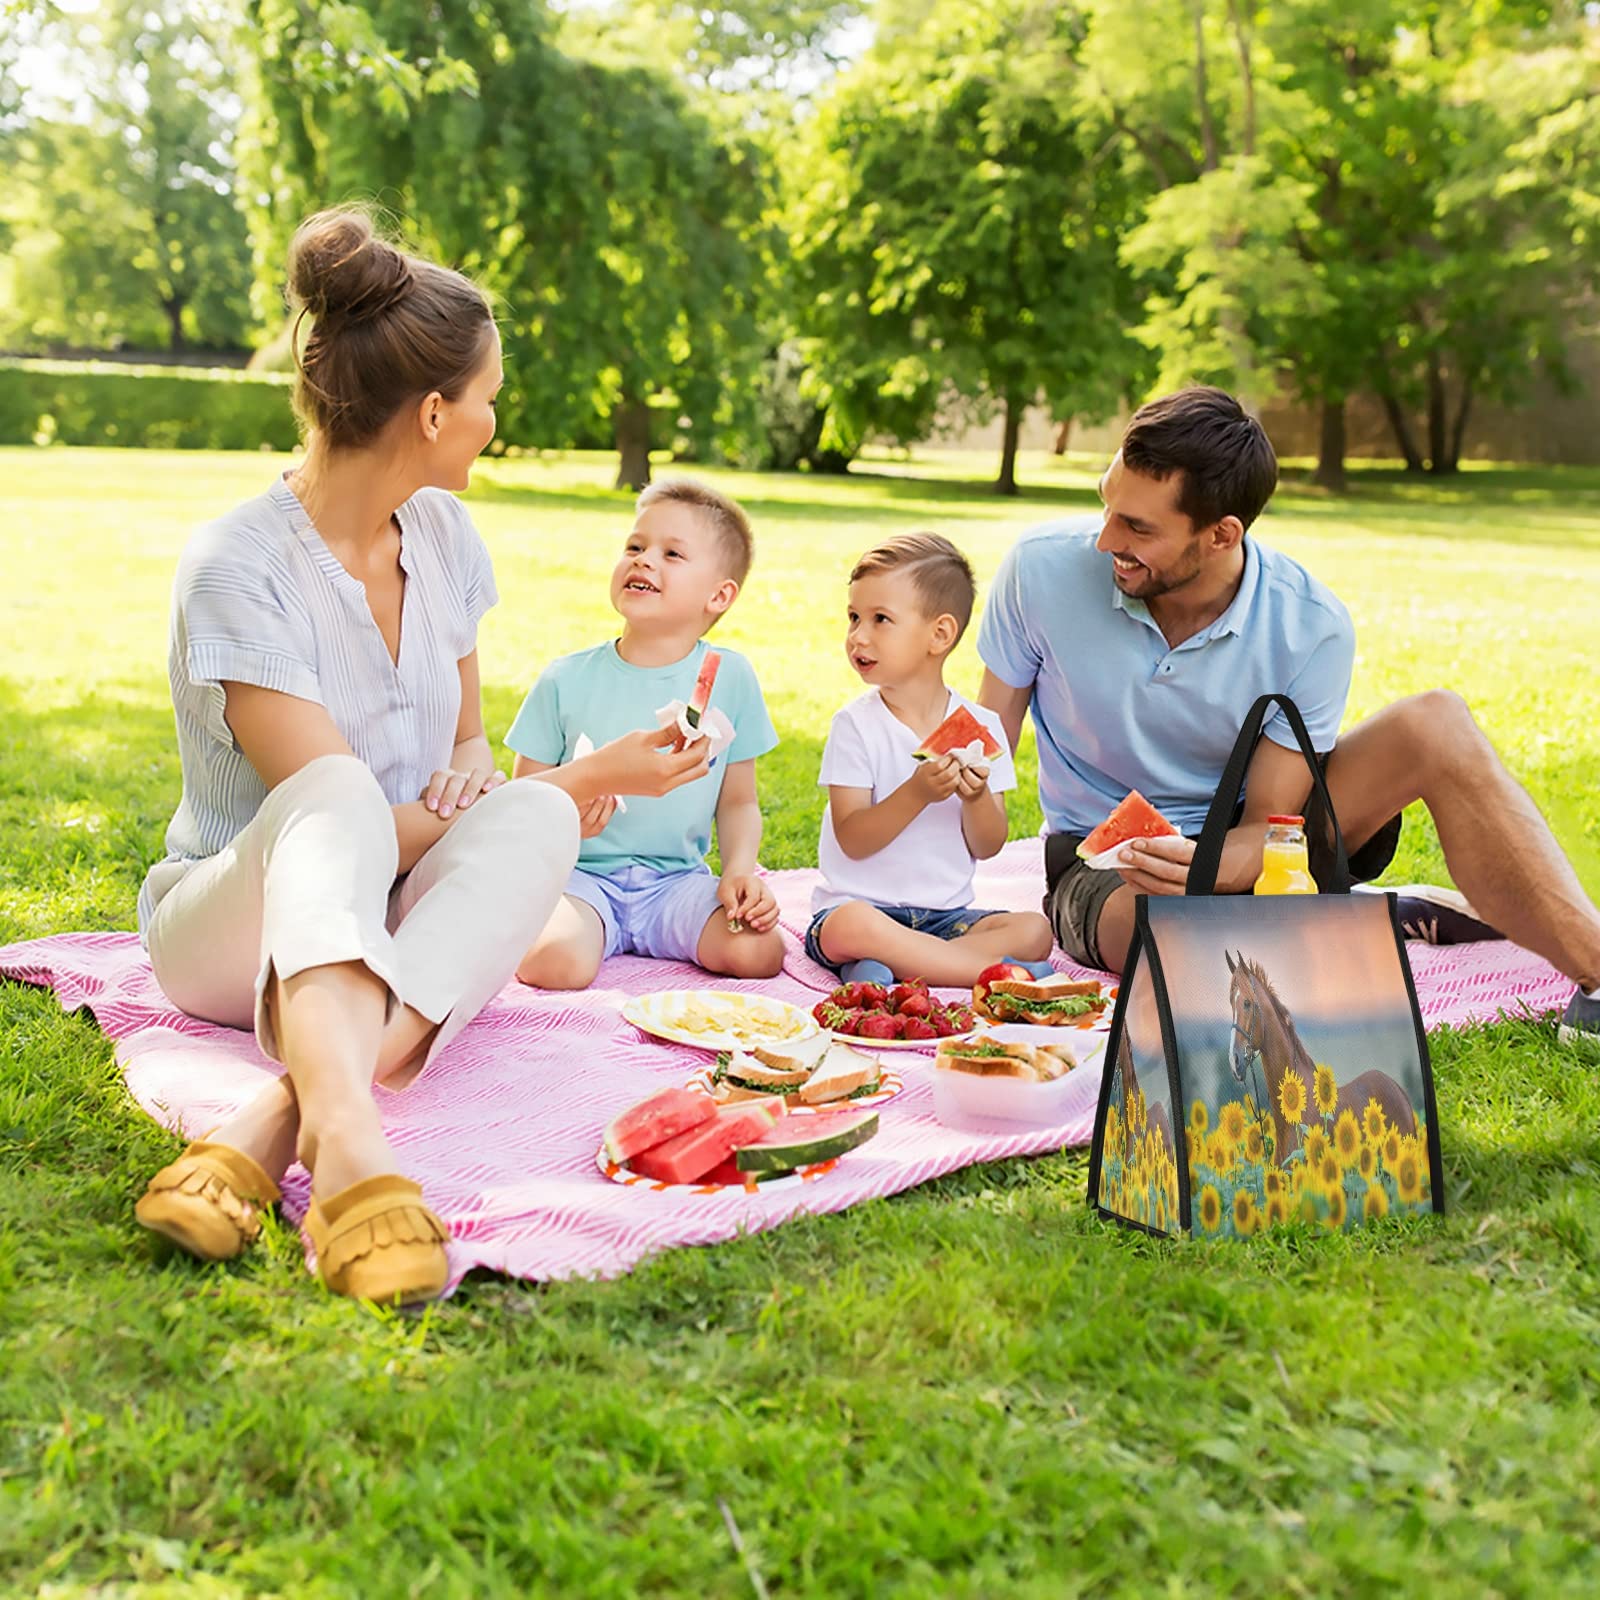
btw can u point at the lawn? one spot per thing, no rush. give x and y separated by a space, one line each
972 1389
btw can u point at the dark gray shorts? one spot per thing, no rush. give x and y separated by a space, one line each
1074 900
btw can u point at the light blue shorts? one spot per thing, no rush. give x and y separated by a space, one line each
650 913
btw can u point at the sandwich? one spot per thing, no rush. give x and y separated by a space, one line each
746 1076
843 1074
1046 1002
984 1057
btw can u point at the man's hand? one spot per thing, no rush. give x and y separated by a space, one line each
449 790
935 779
972 782
748 901
1156 866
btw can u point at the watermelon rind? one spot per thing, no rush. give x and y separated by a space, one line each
701 698
784 1153
653 1121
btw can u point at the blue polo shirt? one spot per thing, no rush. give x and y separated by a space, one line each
1115 708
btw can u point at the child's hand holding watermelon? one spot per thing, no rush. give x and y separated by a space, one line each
935 780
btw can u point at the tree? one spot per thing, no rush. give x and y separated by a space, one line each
129 229
955 233
1355 194
614 222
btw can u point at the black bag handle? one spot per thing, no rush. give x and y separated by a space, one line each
1208 852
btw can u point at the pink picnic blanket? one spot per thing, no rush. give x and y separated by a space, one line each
504 1128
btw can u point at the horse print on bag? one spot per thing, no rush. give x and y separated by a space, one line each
1290 1137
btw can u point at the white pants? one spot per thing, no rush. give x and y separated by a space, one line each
311 882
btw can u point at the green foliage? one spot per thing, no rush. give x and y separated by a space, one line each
612 218
973 1389
182 408
1384 195
126 226
954 233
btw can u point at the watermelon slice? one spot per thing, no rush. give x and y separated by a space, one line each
692 1155
1135 818
663 1116
802 1142
701 697
958 731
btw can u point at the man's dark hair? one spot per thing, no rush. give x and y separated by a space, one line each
1228 464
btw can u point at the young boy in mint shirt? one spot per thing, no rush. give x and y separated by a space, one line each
642 886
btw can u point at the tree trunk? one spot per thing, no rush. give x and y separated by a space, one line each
1006 483
1208 129
1400 427
1439 461
1458 430
1331 447
1247 81
174 311
631 427
1063 433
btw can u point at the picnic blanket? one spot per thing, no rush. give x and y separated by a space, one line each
503 1130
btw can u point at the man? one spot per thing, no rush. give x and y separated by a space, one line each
1140 645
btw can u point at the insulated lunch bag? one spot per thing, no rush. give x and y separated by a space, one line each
1267 1060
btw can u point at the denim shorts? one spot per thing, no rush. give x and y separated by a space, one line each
936 924
650 913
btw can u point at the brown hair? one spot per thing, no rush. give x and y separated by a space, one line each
387 327
1228 464
726 516
940 574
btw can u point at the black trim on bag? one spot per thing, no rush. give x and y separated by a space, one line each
1103 1101
1425 1057
1169 1048
1207 861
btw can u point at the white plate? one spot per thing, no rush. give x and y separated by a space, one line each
872 1046
718 1019
889 1085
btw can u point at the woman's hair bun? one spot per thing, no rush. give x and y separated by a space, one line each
340 268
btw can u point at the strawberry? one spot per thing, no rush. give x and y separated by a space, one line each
915 1004
918 1028
879 1025
961 1018
874 997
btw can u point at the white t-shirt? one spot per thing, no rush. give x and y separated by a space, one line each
929 864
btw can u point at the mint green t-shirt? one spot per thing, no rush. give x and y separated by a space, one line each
598 693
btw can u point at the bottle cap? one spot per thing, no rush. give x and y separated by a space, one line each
1292 822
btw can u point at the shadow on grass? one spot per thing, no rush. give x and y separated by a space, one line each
816 499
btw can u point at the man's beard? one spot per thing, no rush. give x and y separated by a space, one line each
1150 584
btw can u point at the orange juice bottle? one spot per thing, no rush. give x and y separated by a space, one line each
1285 866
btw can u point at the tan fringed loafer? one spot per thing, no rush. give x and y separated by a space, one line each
377 1241
208 1201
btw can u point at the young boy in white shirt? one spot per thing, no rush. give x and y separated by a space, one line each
900 837
642 886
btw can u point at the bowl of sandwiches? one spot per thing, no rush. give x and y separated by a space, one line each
988 1084
817 1074
1058 1001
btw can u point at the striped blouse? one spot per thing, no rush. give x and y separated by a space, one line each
260 599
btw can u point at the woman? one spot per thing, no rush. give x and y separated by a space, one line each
346 871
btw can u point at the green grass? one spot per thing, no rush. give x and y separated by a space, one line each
973 1389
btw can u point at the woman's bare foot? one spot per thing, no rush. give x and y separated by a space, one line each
266 1129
